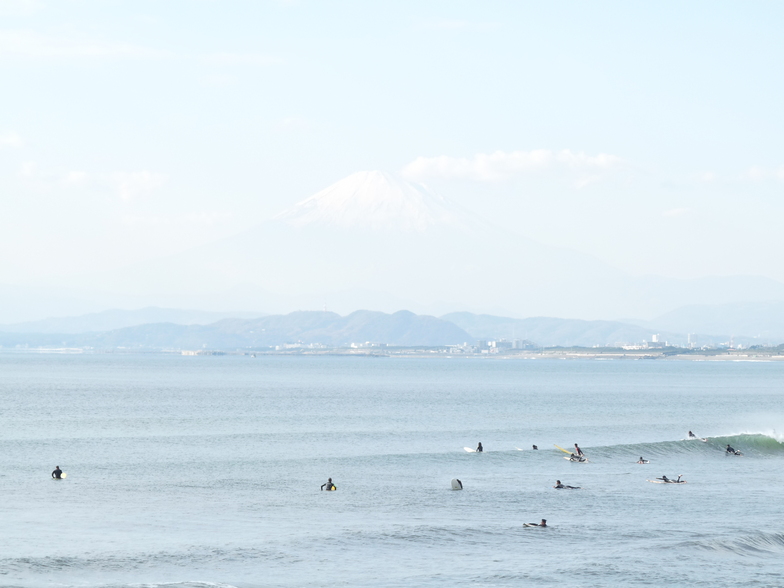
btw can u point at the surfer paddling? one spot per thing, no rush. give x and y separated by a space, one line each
559 486
542 524
641 460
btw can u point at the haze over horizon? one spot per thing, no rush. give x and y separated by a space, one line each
605 161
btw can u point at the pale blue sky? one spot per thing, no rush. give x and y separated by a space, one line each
133 129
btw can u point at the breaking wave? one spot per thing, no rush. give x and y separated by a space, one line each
751 444
760 544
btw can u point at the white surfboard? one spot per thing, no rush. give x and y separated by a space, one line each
663 482
585 460
457 484
469 450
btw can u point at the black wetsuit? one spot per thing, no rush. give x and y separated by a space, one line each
329 485
730 449
57 473
479 449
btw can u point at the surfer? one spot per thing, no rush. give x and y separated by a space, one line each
665 479
542 524
479 448
559 486
579 451
692 435
573 457
730 449
535 448
329 485
57 473
642 460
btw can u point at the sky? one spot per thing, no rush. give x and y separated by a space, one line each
645 134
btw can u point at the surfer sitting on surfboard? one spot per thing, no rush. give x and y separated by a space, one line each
57 473
573 457
329 485
479 448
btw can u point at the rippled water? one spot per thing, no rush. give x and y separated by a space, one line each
194 471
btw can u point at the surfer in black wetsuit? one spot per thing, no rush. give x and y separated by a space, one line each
692 435
479 448
730 449
559 486
642 460
329 485
542 524
57 473
665 479
579 451
535 448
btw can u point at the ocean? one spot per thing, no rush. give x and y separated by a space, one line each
206 471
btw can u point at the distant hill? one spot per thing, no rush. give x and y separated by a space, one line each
117 319
761 320
554 331
402 328
375 240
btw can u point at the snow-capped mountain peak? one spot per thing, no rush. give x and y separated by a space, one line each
373 200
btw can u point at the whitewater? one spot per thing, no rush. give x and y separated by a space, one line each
206 471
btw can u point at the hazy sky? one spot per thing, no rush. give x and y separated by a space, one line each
647 134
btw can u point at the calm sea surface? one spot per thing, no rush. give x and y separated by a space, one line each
202 471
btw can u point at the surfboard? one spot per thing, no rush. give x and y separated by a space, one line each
663 482
469 450
457 484
564 450
63 475
533 525
568 488
331 489
642 462
584 460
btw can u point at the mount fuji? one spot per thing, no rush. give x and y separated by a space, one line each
374 241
